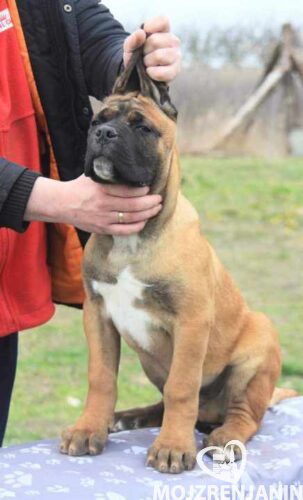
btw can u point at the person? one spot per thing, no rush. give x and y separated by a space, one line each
54 55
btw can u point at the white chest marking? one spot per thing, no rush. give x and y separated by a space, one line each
119 302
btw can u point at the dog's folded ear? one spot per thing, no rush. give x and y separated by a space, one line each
135 79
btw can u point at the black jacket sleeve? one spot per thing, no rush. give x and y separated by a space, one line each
16 184
101 45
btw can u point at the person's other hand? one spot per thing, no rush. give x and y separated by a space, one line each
162 54
91 206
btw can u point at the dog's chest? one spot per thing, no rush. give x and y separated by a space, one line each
121 305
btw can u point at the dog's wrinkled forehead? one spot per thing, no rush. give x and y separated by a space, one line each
133 108
122 105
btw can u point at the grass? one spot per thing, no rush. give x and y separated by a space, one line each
252 212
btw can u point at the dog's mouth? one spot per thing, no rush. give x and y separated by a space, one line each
104 171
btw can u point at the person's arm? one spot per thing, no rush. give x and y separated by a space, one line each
101 45
91 206
16 184
26 196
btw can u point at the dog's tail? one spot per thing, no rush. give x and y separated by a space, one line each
282 393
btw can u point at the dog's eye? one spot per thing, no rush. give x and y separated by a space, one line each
144 128
94 123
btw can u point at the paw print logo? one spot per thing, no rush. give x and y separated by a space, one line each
6 494
276 464
18 479
80 460
8 456
124 468
286 446
53 461
58 488
150 481
36 450
114 480
31 465
4 465
264 438
87 482
254 452
106 473
290 430
110 495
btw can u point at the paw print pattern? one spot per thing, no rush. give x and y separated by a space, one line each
290 430
7 494
286 446
4 465
31 465
36 450
80 460
264 438
58 488
87 482
254 452
39 470
18 479
277 463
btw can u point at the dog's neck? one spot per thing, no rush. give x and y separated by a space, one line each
169 192
130 245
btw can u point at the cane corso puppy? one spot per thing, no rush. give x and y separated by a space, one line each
166 293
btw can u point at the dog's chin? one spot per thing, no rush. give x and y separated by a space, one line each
103 171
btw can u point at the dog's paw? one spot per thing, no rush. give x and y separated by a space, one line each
173 458
220 438
77 441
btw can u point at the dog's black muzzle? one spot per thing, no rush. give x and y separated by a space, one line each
114 156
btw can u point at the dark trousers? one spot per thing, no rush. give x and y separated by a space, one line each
8 363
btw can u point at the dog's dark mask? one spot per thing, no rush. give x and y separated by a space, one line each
122 141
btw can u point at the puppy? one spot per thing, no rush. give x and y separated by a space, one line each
165 292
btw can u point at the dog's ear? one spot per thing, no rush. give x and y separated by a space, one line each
135 78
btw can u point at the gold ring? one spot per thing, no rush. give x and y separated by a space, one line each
120 216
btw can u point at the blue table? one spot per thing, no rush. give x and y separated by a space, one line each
38 470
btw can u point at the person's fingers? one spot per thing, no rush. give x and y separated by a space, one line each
132 217
161 41
118 190
163 73
131 43
138 204
125 229
159 24
162 57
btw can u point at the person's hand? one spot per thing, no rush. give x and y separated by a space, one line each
91 206
162 54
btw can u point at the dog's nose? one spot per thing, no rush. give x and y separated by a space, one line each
105 133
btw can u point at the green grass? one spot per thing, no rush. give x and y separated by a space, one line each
252 212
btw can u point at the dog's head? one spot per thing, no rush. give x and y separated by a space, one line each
131 138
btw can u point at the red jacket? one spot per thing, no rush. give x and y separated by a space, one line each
67 55
25 285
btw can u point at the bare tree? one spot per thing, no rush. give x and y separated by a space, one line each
234 45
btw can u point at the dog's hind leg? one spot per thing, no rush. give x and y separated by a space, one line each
136 418
249 390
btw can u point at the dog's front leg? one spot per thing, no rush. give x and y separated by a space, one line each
175 449
89 434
